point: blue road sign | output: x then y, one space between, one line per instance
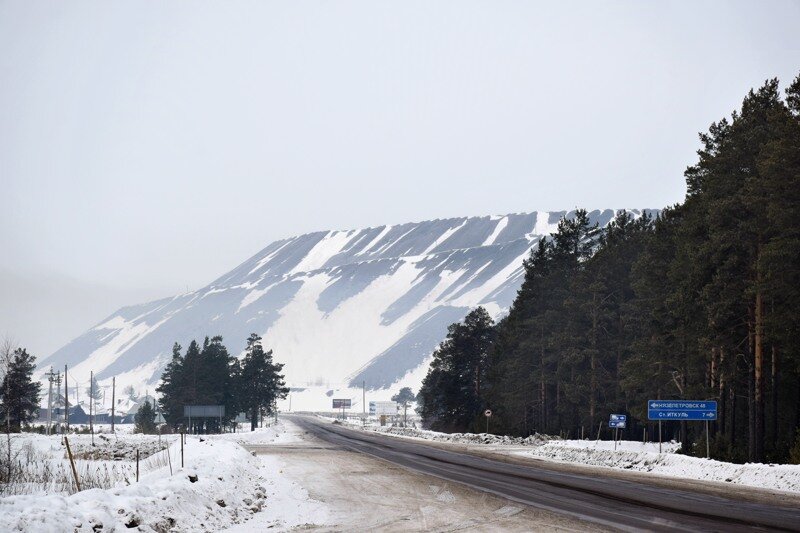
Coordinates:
681 410
617 421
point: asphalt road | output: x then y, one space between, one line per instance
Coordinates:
619 504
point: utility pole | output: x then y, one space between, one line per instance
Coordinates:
113 403
91 403
364 398
58 389
49 399
66 401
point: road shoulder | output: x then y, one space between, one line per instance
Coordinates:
510 455
364 493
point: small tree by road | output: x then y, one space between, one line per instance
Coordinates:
404 398
261 383
130 392
145 419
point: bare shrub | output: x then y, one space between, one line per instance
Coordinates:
156 461
55 477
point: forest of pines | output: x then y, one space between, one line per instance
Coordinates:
698 303
209 375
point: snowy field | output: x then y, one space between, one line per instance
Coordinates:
220 486
629 455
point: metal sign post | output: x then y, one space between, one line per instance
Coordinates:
488 415
617 422
342 403
203 411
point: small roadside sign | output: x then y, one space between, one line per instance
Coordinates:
618 421
384 408
488 413
342 403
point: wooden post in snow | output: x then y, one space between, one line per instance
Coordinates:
113 400
91 404
72 463
66 401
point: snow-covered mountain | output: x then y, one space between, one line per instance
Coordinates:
340 308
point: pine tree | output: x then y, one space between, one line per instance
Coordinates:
145 419
192 375
93 391
171 389
214 381
261 383
451 396
404 397
19 394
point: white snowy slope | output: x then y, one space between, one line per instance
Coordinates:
339 308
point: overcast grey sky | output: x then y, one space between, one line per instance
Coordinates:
150 146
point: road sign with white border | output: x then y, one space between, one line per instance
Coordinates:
342 403
681 410
618 421
383 408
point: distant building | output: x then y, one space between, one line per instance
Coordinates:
128 418
77 415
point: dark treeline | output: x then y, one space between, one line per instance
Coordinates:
209 375
699 303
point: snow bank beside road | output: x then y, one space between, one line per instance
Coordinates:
460 438
290 506
464 438
274 434
645 458
226 490
622 445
